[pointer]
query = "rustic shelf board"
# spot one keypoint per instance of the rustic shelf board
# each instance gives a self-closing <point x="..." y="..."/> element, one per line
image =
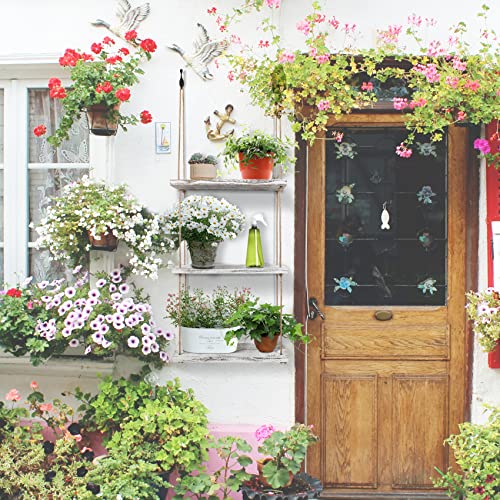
<point x="228" y="185"/>
<point x="231" y="269"/>
<point x="246" y="353"/>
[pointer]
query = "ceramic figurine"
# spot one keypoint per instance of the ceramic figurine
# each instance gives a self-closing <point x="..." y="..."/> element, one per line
<point x="345" y="284"/>
<point x="255" y="257"/>
<point x="385" y="217"/>
<point x="205" y="51"/>
<point x="216" y="134"/>
<point x="427" y="285"/>
<point x="425" y="195"/>
<point x="344" y="194"/>
<point x="128" y="18"/>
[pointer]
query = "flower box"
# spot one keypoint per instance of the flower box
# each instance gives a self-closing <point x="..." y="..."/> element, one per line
<point x="207" y="340"/>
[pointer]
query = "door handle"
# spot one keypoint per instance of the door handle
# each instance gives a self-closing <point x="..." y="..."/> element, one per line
<point x="314" y="310"/>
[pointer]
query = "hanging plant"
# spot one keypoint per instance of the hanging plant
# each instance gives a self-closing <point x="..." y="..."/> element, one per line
<point x="441" y="84"/>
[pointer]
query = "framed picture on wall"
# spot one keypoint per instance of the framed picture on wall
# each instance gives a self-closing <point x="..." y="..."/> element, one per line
<point x="163" y="138"/>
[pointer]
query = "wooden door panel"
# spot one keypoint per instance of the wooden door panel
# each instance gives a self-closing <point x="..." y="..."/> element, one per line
<point x="385" y="341"/>
<point x="419" y="422"/>
<point x="390" y="391"/>
<point x="350" y="430"/>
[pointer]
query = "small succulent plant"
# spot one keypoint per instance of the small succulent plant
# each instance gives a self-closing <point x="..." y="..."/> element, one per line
<point x="197" y="158"/>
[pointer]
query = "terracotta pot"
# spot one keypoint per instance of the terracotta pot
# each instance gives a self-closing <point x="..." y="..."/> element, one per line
<point x="267" y="344"/>
<point x="263" y="480"/>
<point x="494" y="357"/>
<point x="256" y="168"/>
<point x="100" y="122"/>
<point x="202" y="171"/>
<point x="107" y="242"/>
<point x="202" y="254"/>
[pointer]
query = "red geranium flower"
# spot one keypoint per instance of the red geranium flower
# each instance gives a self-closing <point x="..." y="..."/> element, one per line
<point x="54" y="82"/>
<point x="123" y="94"/>
<point x="87" y="57"/>
<point x="96" y="48"/>
<point x="107" y="87"/>
<point x="114" y="59"/>
<point x="146" y="117"/>
<point x="131" y="35"/>
<point x="40" y="130"/>
<point x="148" y="45"/>
<point x="69" y="58"/>
<point x="124" y="51"/>
<point x="14" y="292"/>
<point x="108" y="41"/>
<point x="57" y="93"/>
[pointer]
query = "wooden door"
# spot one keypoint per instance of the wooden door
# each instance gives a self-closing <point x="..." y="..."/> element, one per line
<point x="384" y="393"/>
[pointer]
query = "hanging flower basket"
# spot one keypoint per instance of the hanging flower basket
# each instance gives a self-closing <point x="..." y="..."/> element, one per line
<point x="100" y="120"/>
<point x="106" y="242"/>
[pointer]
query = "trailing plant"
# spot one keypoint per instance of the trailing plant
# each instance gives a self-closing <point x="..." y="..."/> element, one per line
<point x="440" y="83"/>
<point x="161" y="425"/>
<point x="483" y="308"/>
<point x="286" y="450"/>
<point x="223" y="482"/>
<point x="197" y="309"/>
<point x="46" y="319"/>
<point x="103" y="76"/>
<point x="477" y="452"/>
<point x="257" y="144"/>
<point x="204" y="219"/>
<point x="90" y="206"/>
<point x="263" y="320"/>
<point x="199" y="158"/>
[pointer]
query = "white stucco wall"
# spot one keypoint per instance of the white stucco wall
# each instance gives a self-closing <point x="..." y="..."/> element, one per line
<point x="233" y="393"/>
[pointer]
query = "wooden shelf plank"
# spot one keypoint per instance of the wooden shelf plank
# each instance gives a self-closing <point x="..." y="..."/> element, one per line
<point x="232" y="269"/>
<point x="229" y="185"/>
<point x="246" y="353"/>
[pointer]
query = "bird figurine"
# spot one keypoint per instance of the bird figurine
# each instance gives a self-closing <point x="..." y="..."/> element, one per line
<point x="128" y="18"/>
<point x="385" y="217"/>
<point x="205" y="51"/>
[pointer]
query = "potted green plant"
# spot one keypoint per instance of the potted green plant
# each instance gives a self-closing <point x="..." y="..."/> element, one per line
<point x="90" y="214"/>
<point x="483" y="308"/>
<point x="203" y="318"/>
<point x="263" y="324"/>
<point x="257" y="153"/>
<point x="202" y="167"/>
<point x="477" y="453"/>
<point x="100" y="83"/>
<point x="284" y="453"/>
<point x="203" y="222"/>
<point x="164" y="426"/>
<point x="48" y="319"/>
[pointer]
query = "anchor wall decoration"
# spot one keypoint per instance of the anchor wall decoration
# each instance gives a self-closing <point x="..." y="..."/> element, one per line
<point x="216" y="134"/>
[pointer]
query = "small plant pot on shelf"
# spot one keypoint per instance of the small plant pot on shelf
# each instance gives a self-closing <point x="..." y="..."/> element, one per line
<point x="267" y="344"/>
<point x="256" y="168"/>
<point x="106" y="242"/>
<point x="207" y="341"/>
<point x="494" y="357"/>
<point x="202" y="171"/>
<point x="202" y="254"/>
<point x="100" y="121"/>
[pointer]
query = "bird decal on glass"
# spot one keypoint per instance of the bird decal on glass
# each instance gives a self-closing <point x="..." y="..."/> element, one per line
<point x="128" y="18"/>
<point x="205" y="51"/>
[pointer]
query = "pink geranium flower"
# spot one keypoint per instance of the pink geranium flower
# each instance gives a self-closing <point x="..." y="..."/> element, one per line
<point x="13" y="395"/>
<point x="264" y="431"/>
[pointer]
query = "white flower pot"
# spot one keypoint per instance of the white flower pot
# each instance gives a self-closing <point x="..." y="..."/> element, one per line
<point x="207" y="340"/>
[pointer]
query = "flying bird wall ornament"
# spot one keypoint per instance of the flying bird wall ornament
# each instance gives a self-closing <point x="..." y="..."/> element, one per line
<point x="128" y="18"/>
<point x="205" y="51"/>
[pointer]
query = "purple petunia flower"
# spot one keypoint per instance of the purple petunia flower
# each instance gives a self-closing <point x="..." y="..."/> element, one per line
<point x="109" y="318"/>
<point x="70" y="292"/>
<point x="112" y="288"/>
<point x="146" y="341"/>
<point x="145" y="328"/>
<point x="92" y="302"/>
<point x="95" y="325"/>
<point x="94" y="294"/>
<point x="97" y="337"/>
<point x="100" y="283"/>
<point x="169" y="335"/>
<point x="105" y="343"/>
<point x="66" y="332"/>
<point x="88" y="349"/>
<point x="146" y="350"/>
<point x="124" y="288"/>
<point x="115" y="297"/>
<point x="43" y="284"/>
<point x="46" y="298"/>
<point x="104" y="329"/>
<point x="133" y="342"/>
<point x="74" y="343"/>
<point x="164" y="356"/>
<point x="116" y="273"/>
<point x="155" y="347"/>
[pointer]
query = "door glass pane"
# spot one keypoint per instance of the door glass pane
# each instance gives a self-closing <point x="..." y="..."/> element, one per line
<point x="395" y="256"/>
<point x="47" y="111"/>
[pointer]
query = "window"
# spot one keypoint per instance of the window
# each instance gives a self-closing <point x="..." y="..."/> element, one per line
<point x="33" y="171"/>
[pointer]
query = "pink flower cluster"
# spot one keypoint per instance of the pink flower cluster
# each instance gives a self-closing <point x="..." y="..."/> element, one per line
<point x="304" y="26"/>
<point x="482" y="145"/>
<point x="286" y="57"/>
<point x="400" y="103"/>
<point x="264" y="431"/>
<point x="429" y="70"/>
<point x="403" y="151"/>
<point x="391" y="34"/>
<point x="458" y="64"/>
<point x="273" y="4"/>
<point x="323" y="105"/>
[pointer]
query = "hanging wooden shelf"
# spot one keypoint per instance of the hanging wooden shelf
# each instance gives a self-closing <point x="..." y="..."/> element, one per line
<point x="233" y="269"/>
<point x="229" y="185"/>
